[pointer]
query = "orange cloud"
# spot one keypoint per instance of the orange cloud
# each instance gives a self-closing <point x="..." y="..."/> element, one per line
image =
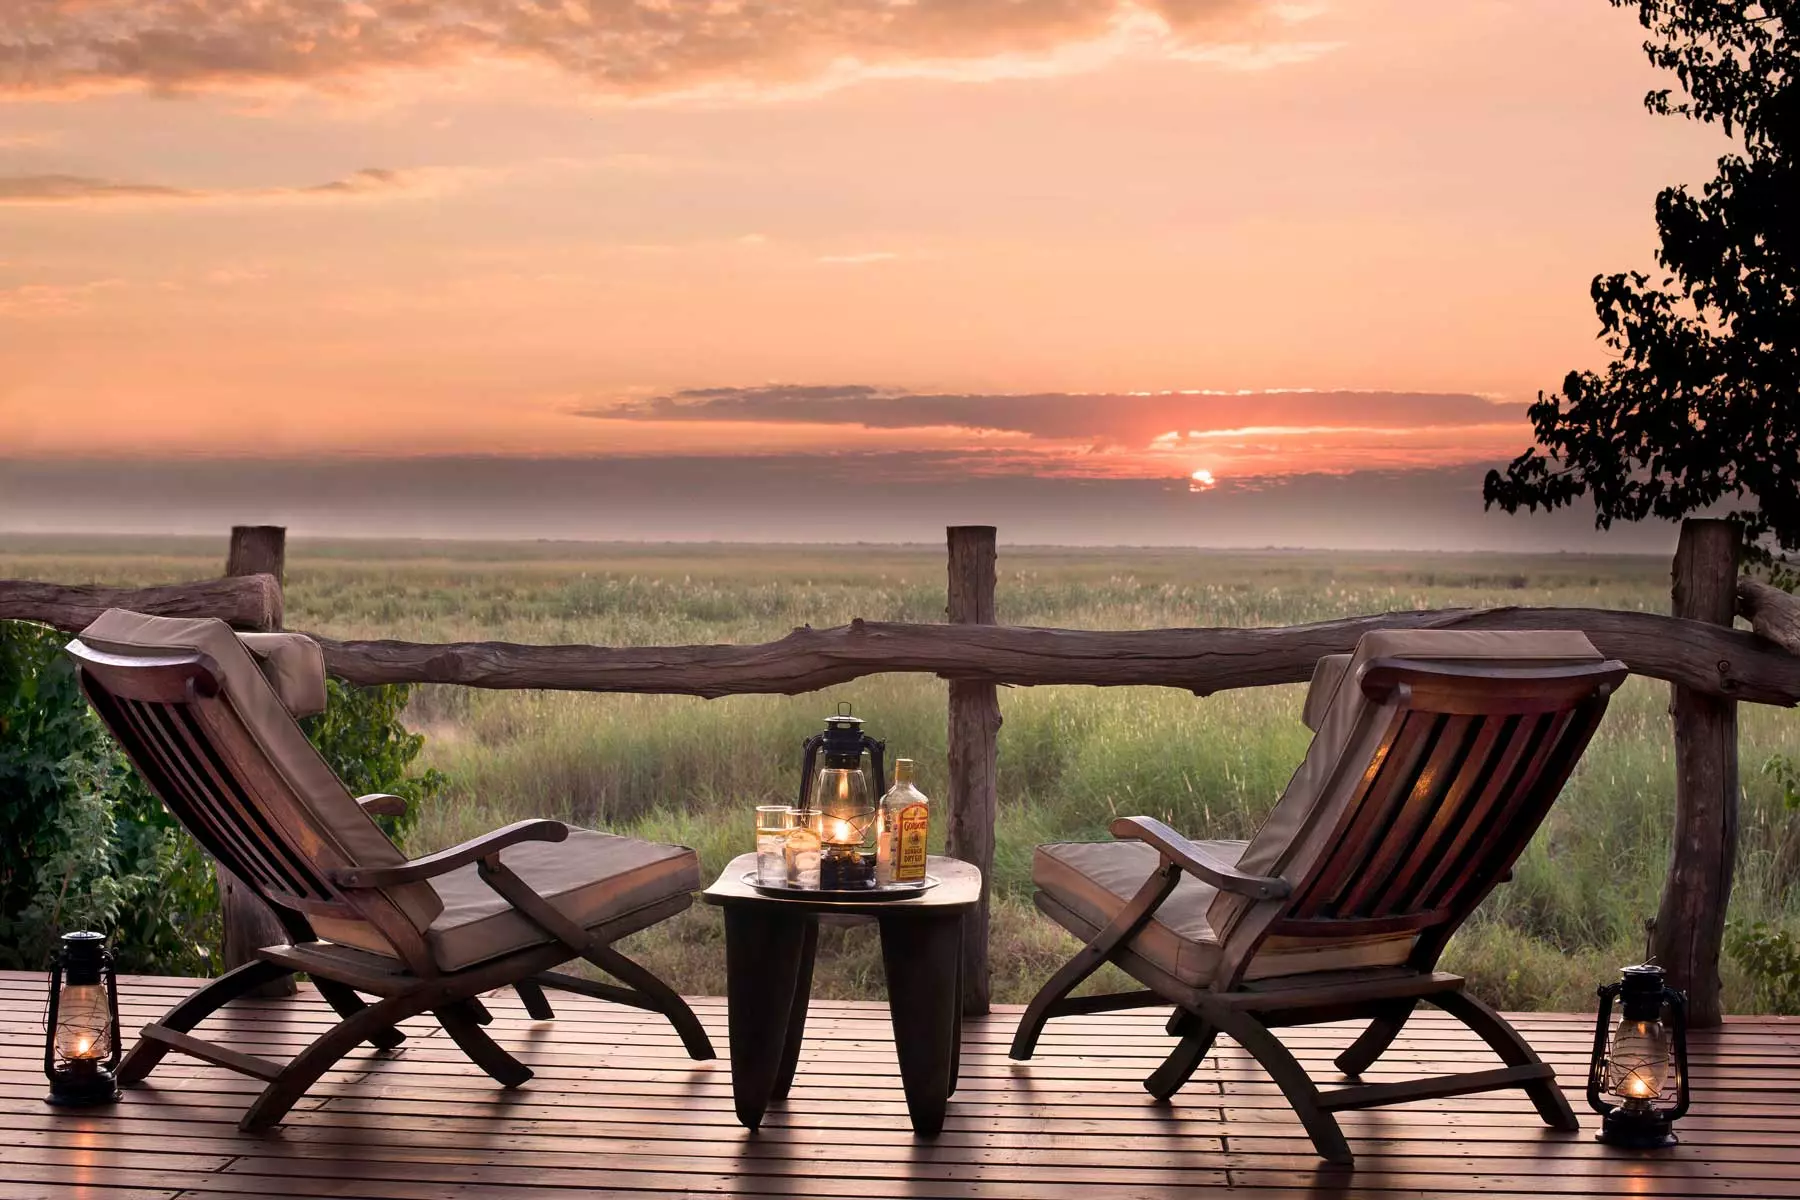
<point x="1160" y="420"/>
<point x="29" y="300"/>
<point x="1206" y="436"/>
<point x="619" y="46"/>
<point x="87" y="190"/>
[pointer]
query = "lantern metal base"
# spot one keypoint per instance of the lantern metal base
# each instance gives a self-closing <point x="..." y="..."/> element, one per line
<point x="83" y="1090"/>
<point x="1635" y="1131"/>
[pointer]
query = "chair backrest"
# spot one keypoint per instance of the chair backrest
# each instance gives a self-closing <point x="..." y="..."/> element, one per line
<point x="1433" y="763"/>
<point x="210" y="734"/>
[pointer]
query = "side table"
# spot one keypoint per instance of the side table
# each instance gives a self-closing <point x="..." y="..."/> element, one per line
<point x="769" y="947"/>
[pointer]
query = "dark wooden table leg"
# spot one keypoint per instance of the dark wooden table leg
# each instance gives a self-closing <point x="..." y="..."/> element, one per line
<point x="796" y="1022"/>
<point x="962" y="931"/>
<point x="921" y="952"/>
<point x="763" y="950"/>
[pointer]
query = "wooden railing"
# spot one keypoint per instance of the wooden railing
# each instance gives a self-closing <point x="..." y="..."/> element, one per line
<point x="1711" y="665"/>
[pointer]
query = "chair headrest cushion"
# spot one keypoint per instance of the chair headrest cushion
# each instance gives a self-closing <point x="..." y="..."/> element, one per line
<point x="1522" y="648"/>
<point x="293" y="664"/>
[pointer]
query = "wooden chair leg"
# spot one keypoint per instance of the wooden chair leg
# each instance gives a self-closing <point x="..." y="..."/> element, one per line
<point x="536" y="1003"/>
<point x="307" y="1066"/>
<point x="196" y="1007"/>
<point x="1327" y="1137"/>
<point x="1183" y="1061"/>
<point x="1376" y="1039"/>
<point x="1059" y="985"/>
<point x="479" y="1011"/>
<point x="460" y="1022"/>
<point x="346" y="1003"/>
<point x="662" y="997"/>
<point x="1514" y="1051"/>
<point x="1126" y="922"/>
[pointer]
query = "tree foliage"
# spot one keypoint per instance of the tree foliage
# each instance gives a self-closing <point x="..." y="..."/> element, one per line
<point x="1699" y="406"/>
<point x="83" y="843"/>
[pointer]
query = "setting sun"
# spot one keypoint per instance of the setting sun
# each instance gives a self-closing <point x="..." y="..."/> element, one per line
<point x="1202" y="481"/>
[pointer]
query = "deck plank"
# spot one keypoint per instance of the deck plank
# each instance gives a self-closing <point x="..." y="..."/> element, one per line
<point x="618" y="1109"/>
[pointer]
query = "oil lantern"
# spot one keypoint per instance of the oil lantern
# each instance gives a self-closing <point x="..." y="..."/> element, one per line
<point x="1638" y="1077"/>
<point x="840" y="802"/>
<point x="81" y="1029"/>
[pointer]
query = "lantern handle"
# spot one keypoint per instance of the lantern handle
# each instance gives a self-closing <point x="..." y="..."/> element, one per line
<point x="810" y="755"/>
<point x="50" y="1007"/>
<point x="1677" y="1002"/>
<point x="1597" y="1061"/>
<point x="112" y="1008"/>
<point x="877" y="752"/>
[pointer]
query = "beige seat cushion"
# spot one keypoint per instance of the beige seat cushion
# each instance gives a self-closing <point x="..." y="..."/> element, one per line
<point x="1094" y="880"/>
<point x="592" y="878"/>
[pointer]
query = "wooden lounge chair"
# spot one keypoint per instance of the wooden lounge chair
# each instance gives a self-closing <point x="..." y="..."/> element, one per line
<point x="213" y="733"/>
<point x="1434" y="758"/>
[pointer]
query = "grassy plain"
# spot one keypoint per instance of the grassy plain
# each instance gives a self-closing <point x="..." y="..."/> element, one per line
<point x="689" y="770"/>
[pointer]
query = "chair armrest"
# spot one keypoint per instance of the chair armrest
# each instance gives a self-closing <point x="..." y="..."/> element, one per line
<point x="380" y="804"/>
<point x="449" y="860"/>
<point x="1196" y="861"/>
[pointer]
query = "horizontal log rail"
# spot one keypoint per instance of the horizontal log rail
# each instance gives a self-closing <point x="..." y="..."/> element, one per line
<point x="249" y="602"/>
<point x="1773" y="613"/>
<point x="1706" y="658"/>
<point x="1761" y="667"/>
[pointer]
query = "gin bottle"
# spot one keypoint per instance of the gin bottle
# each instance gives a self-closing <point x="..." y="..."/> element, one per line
<point x="905" y="821"/>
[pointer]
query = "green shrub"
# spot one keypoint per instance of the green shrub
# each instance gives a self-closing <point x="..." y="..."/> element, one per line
<point x="84" y="844"/>
<point x="1771" y="958"/>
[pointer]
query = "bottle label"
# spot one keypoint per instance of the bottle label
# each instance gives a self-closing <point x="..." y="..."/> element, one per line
<point x="909" y="859"/>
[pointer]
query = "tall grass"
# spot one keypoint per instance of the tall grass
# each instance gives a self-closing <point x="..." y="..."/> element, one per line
<point x="1071" y="758"/>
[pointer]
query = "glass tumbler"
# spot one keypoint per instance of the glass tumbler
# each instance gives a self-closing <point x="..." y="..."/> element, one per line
<point x="773" y="822"/>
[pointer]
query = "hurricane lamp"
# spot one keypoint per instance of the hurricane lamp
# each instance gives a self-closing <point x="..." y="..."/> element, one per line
<point x="81" y="1024"/>
<point x="834" y="786"/>
<point x="1638" y="1076"/>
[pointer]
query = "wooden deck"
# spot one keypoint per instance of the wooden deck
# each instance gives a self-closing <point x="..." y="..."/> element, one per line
<point x="617" y="1108"/>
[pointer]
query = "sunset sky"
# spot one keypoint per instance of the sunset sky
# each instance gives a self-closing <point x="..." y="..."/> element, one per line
<point x="1229" y="262"/>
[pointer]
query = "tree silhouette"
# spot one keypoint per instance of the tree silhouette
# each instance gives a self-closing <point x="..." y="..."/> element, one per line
<point x="1701" y="402"/>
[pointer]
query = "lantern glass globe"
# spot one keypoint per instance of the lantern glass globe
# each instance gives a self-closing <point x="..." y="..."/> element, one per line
<point x="83" y="1023"/>
<point x="1639" y="1066"/>
<point x="842" y="796"/>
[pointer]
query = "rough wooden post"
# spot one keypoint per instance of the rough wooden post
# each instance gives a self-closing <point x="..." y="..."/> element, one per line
<point x="973" y="741"/>
<point x="1690" y="924"/>
<point x="259" y="550"/>
<point x="248" y="922"/>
